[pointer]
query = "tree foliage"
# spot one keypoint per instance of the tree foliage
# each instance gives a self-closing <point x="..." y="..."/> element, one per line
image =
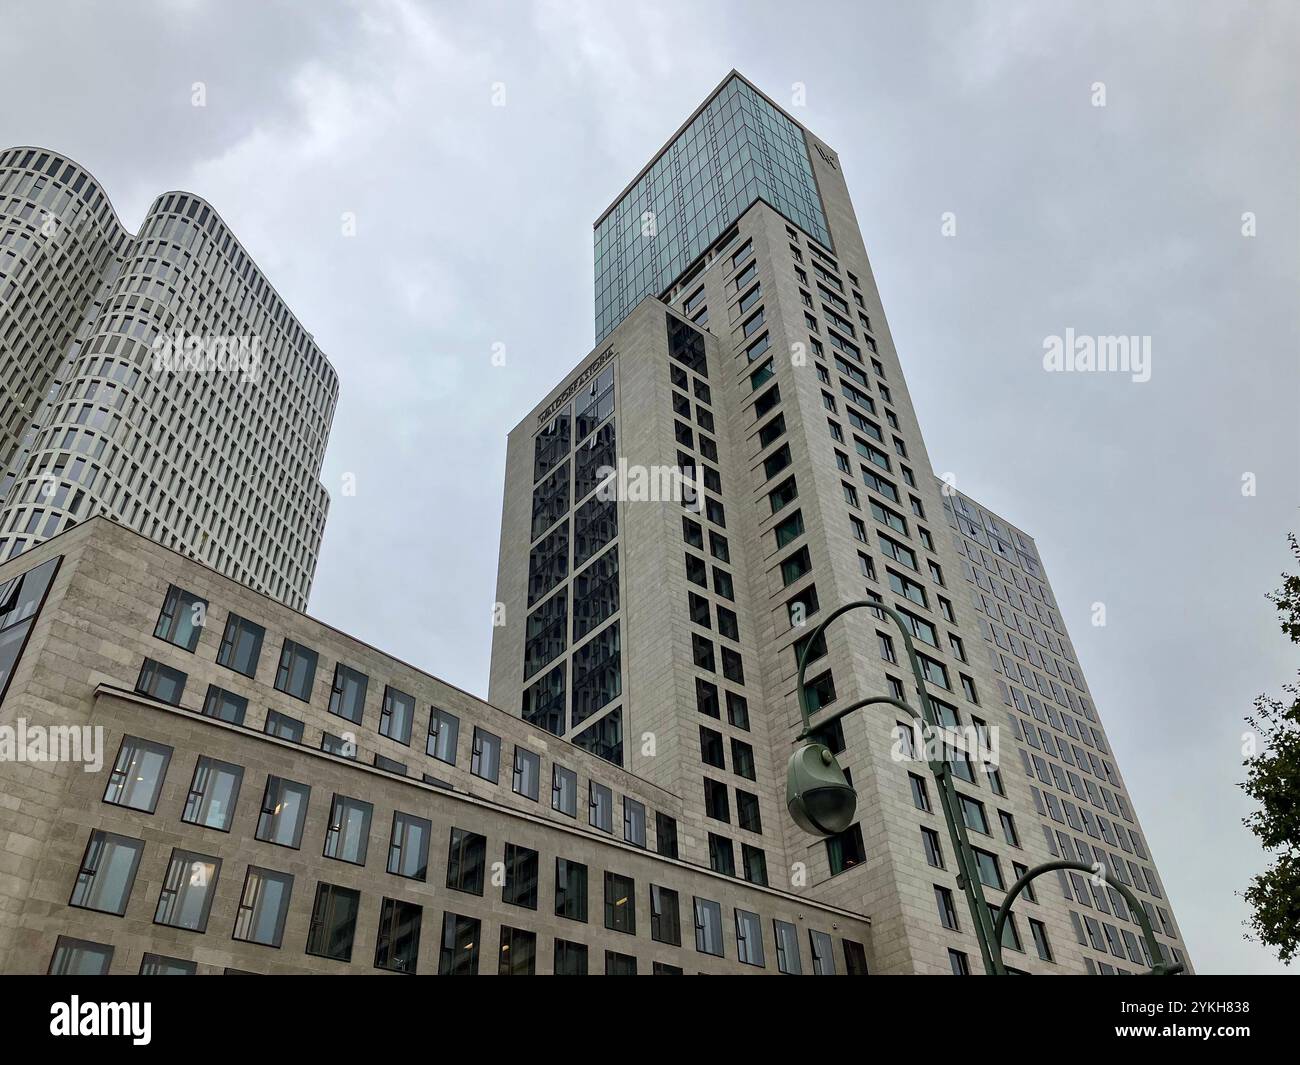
<point x="1273" y="781"/>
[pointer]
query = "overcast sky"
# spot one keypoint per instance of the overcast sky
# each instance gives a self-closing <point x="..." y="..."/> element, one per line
<point x="473" y="228"/>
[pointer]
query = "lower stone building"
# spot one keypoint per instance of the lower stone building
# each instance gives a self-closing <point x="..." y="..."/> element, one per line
<point x="195" y="778"/>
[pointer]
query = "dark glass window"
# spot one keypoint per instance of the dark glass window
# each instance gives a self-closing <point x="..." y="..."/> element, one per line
<point x="722" y="855"/>
<point x="570" y="889"/>
<point x="846" y="850"/>
<point x="564" y="790"/>
<point x="749" y="938"/>
<point x="80" y="957"/>
<point x="458" y="955"/>
<point x="570" y="958"/>
<point x="283" y="726"/>
<point x="466" y="858"/>
<point x="665" y="835"/>
<point x="224" y="705"/>
<point x="408" y="846"/>
<point x="527" y="769"/>
<point x="520" y="888"/>
<point x="397" y="941"/>
<point x="620" y="903"/>
<point x="546" y="632"/>
<point x="161" y="682"/>
<point x="665" y="920"/>
<point x="348" y="696"/>
<point x="605" y="738"/>
<point x="333" y="922"/>
<point x="241" y="645"/>
<point x="518" y="953"/>
<point x="544" y="702"/>
<point x="297" y="670"/>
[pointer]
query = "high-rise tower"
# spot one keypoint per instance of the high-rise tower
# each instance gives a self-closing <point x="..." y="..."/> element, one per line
<point x="156" y="378"/>
<point x="741" y="338"/>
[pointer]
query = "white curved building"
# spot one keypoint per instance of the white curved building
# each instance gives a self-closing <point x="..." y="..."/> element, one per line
<point x="156" y="378"/>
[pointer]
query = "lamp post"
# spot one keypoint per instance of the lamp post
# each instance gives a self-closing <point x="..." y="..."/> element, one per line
<point x="822" y="802"/>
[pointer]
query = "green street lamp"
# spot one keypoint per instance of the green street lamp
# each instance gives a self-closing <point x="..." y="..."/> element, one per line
<point x="822" y="802"/>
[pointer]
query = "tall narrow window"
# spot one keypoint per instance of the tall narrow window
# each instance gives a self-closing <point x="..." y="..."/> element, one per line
<point x="348" y="696"/>
<point x="347" y="835"/>
<point x="520" y="888"/>
<point x="460" y="943"/>
<point x="397" y="941"/>
<point x="486" y="762"/>
<point x="333" y="922"/>
<point x="396" y="715"/>
<point x="518" y="952"/>
<point x="466" y="858"/>
<point x="408" y="846"/>
<point x="297" y="670"/>
<point x="570" y="889"/>
<point x="564" y="790"/>
<point x="444" y="731"/>
<point x="263" y="907"/>
<point x="749" y="938"/>
<point x="241" y="645"/>
<point x="620" y="903"/>
<point x="527" y="769"/>
<point x="284" y="812"/>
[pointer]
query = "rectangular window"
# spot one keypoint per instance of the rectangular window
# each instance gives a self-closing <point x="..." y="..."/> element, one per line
<point x="1039" y="932"/>
<point x="570" y="958"/>
<point x="518" y="953"/>
<point x="845" y="850"/>
<point x="347" y="836"/>
<point x="138" y="773"/>
<point x="787" y="948"/>
<point x="520" y="888"/>
<point x="182" y="618"/>
<point x="932" y="847"/>
<point x="297" y="670"/>
<point x="619" y="964"/>
<point x="161" y="682"/>
<point x="444" y="731"/>
<point x="187" y="891"/>
<point x="633" y="822"/>
<point x="466" y="858"/>
<point x="408" y="846"/>
<point x="749" y="938"/>
<point x="214" y="790"/>
<point x="823" y="953"/>
<point x="241" y="645"/>
<point x="665" y="835"/>
<point x="159" y="965"/>
<point x="564" y="790"/>
<point x="527" y="769"/>
<point x="263" y="907"/>
<point x="283" y="726"/>
<point x="620" y="903"/>
<point x="224" y="705"/>
<point x="990" y="872"/>
<point x="397" y="715"/>
<point x="348" y="696"/>
<point x="486" y="762"/>
<point x="80" y="957"/>
<point x="284" y="812"/>
<point x="665" y="920"/>
<point x="397" y="941"/>
<point x="333" y="922"/>
<point x="458" y="955"/>
<point x="570" y="889"/>
<point x="600" y="807"/>
<point x="107" y="873"/>
<point x="708" y="927"/>
<point x="947" y="909"/>
<point x="722" y="855"/>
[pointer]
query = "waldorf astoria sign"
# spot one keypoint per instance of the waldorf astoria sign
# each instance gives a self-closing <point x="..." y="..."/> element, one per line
<point x="583" y="378"/>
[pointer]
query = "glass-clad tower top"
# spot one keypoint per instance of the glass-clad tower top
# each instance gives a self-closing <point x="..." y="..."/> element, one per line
<point x="738" y="148"/>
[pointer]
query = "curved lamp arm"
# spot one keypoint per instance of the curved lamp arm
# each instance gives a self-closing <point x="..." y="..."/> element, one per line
<point x="1160" y="968"/>
<point x="968" y="871"/>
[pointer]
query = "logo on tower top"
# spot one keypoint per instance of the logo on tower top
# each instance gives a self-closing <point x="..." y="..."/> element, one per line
<point x="827" y="157"/>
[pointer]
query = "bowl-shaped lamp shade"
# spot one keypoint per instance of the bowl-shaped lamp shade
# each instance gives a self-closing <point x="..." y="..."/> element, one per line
<point x="818" y="796"/>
